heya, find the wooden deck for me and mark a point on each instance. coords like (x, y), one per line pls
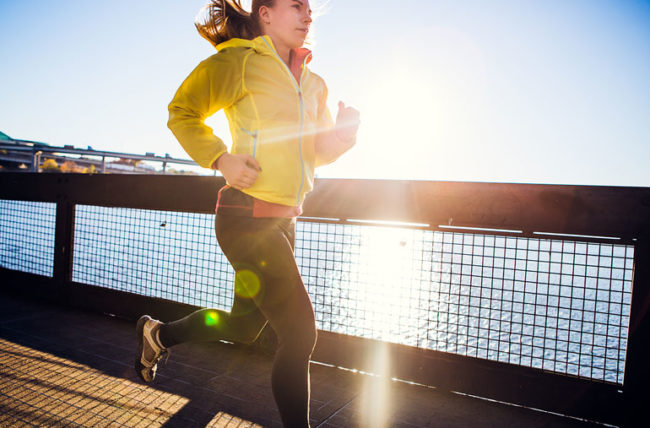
(64, 367)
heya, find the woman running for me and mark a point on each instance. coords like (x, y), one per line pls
(281, 130)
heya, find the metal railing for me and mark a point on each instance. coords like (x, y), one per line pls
(31, 153)
(530, 294)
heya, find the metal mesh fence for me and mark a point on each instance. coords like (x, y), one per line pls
(560, 306)
(27, 232)
(170, 255)
(557, 305)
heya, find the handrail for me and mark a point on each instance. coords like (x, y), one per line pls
(92, 152)
(530, 210)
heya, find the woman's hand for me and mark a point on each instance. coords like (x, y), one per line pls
(240, 171)
(330, 145)
(347, 122)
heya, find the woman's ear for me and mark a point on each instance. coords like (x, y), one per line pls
(265, 15)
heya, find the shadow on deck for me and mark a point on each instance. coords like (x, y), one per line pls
(60, 366)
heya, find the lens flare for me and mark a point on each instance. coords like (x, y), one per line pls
(247, 284)
(376, 399)
(211, 318)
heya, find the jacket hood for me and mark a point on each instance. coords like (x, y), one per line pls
(262, 45)
(256, 43)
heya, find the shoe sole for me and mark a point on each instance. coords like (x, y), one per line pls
(139, 332)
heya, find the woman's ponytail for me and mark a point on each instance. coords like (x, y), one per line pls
(222, 20)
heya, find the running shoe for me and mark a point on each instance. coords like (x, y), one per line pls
(150, 350)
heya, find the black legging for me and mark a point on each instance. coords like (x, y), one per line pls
(268, 286)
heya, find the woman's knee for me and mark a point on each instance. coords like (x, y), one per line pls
(302, 339)
(246, 331)
(249, 336)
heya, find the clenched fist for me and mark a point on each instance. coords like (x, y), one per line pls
(240, 171)
(347, 122)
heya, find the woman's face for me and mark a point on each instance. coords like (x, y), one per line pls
(287, 22)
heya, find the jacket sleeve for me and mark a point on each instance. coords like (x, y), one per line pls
(325, 122)
(214, 84)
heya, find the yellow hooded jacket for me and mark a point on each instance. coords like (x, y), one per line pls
(272, 116)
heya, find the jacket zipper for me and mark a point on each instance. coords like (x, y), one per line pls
(298, 88)
(302, 162)
(254, 136)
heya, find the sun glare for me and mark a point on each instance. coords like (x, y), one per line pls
(385, 262)
(423, 110)
(376, 400)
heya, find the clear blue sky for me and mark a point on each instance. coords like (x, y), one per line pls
(554, 91)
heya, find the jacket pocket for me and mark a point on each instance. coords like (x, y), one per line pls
(253, 135)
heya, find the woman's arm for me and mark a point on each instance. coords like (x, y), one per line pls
(213, 85)
(331, 144)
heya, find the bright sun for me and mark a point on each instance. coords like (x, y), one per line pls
(422, 113)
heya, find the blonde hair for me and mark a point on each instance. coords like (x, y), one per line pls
(222, 20)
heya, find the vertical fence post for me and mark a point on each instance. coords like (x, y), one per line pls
(63, 241)
(36, 160)
(637, 371)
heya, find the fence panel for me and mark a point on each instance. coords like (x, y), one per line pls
(27, 232)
